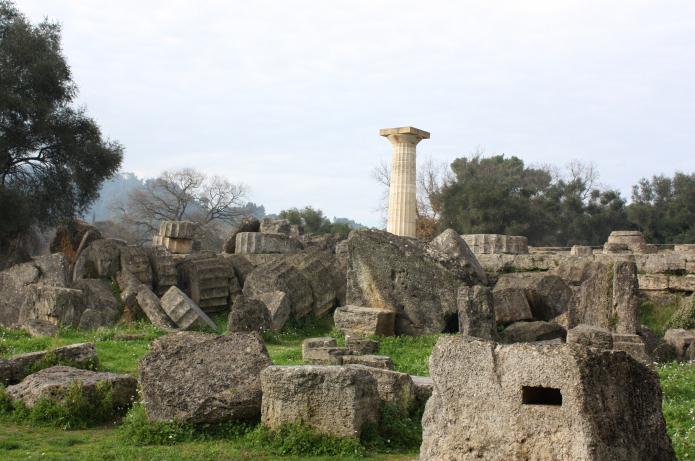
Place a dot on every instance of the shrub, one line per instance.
(395, 430)
(684, 316)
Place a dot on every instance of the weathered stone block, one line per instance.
(163, 269)
(476, 312)
(581, 250)
(452, 251)
(547, 294)
(178, 245)
(653, 282)
(18, 367)
(275, 226)
(364, 321)
(360, 345)
(313, 343)
(248, 224)
(280, 276)
(633, 345)
(135, 259)
(209, 281)
(495, 402)
(324, 355)
(213, 380)
(590, 336)
(324, 276)
(100, 259)
(55, 381)
(177, 229)
(680, 340)
(496, 243)
(526, 332)
(336, 401)
(256, 242)
(684, 283)
(511, 306)
(368, 360)
(183, 311)
(40, 328)
(149, 303)
(394, 387)
(248, 315)
(423, 386)
(278, 305)
(57, 305)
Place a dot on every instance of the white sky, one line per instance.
(288, 96)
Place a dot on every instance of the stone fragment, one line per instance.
(336, 401)
(423, 386)
(369, 360)
(626, 297)
(664, 263)
(93, 319)
(680, 339)
(152, 308)
(101, 306)
(100, 259)
(547, 294)
(653, 282)
(13, 286)
(394, 388)
(280, 276)
(452, 251)
(205, 382)
(241, 264)
(40, 328)
(359, 345)
(177, 246)
(183, 311)
(524, 332)
(396, 274)
(589, 336)
(615, 248)
(247, 224)
(581, 250)
(18, 367)
(633, 345)
(248, 315)
(313, 343)
(507, 402)
(256, 242)
(683, 283)
(476, 312)
(54, 270)
(129, 285)
(684, 248)
(633, 240)
(324, 355)
(364, 321)
(55, 381)
(57, 305)
(511, 306)
(278, 305)
(208, 281)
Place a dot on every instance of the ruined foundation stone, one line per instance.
(590, 336)
(496, 243)
(18, 367)
(512, 402)
(183, 311)
(280, 276)
(476, 312)
(208, 281)
(213, 380)
(547, 294)
(256, 242)
(364, 321)
(336, 401)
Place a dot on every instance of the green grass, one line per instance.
(678, 387)
(657, 316)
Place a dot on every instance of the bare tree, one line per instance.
(584, 173)
(185, 194)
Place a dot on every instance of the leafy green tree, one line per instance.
(53, 158)
(663, 208)
(314, 221)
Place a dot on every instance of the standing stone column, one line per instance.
(402, 205)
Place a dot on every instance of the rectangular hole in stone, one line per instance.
(537, 395)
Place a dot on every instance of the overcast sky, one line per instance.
(288, 96)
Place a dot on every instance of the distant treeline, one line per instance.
(501, 195)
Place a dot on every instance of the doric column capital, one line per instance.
(404, 135)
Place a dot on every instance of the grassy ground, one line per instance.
(410, 355)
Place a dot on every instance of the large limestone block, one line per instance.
(183, 311)
(581, 250)
(248, 314)
(476, 312)
(18, 367)
(396, 274)
(364, 321)
(53, 269)
(369, 360)
(326, 280)
(212, 380)
(279, 307)
(663, 263)
(680, 339)
(633, 345)
(324, 355)
(275, 226)
(359, 345)
(653, 282)
(57, 305)
(101, 306)
(452, 251)
(129, 285)
(280, 276)
(547, 294)
(180, 338)
(493, 402)
(256, 242)
(511, 306)
(634, 240)
(54, 382)
(394, 388)
(177, 246)
(100, 259)
(163, 269)
(152, 308)
(609, 297)
(336, 401)
(684, 283)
